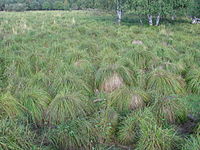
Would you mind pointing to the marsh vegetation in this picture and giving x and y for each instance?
(77, 80)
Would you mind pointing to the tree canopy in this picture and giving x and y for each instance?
(151, 8)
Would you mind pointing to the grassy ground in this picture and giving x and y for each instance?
(77, 80)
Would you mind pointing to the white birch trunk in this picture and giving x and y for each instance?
(119, 16)
(195, 20)
(173, 17)
(150, 18)
(157, 20)
(141, 22)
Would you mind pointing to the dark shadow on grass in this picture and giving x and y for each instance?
(131, 19)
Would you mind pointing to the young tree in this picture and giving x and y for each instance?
(158, 8)
(46, 5)
(58, 5)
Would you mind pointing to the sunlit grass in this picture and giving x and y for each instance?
(77, 80)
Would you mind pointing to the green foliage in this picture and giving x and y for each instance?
(68, 105)
(106, 124)
(170, 110)
(193, 80)
(74, 134)
(56, 68)
(35, 102)
(14, 136)
(58, 5)
(125, 99)
(128, 131)
(192, 143)
(194, 8)
(153, 137)
(107, 71)
(46, 5)
(16, 7)
(165, 83)
(9, 106)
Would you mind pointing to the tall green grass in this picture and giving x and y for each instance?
(77, 80)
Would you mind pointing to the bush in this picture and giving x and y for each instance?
(46, 5)
(16, 7)
(34, 5)
(194, 8)
(57, 5)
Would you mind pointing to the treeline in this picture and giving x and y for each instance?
(154, 9)
(22, 5)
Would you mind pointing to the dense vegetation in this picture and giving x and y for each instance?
(153, 9)
(75, 80)
(162, 7)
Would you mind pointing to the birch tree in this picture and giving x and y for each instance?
(194, 10)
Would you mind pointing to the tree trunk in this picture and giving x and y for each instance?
(119, 12)
(173, 17)
(157, 20)
(141, 22)
(119, 16)
(150, 18)
(194, 20)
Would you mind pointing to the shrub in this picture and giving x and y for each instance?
(58, 5)
(16, 7)
(46, 5)
(34, 5)
(194, 8)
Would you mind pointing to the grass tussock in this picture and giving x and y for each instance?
(73, 80)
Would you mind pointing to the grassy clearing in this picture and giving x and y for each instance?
(77, 80)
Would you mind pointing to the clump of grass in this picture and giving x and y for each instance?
(193, 80)
(165, 83)
(14, 136)
(154, 137)
(111, 77)
(68, 105)
(106, 124)
(170, 109)
(128, 131)
(191, 143)
(65, 79)
(142, 58)
(9, 106)
(124, 99)
(35, 101)
(74, 134)
(174, 67)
